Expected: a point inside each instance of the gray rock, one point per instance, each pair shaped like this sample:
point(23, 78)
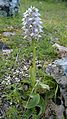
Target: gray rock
point(58, 70)
point(3, 46)
point(9, 7)
point(7, 34)
point(63, 63)
point(54, 111)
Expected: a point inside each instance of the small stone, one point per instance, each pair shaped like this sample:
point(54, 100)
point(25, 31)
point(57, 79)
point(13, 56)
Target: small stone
point(25, 68)
point(7, 34)
point(25, 87)
point(62, 50)
point(7, 51)
point(17, 71)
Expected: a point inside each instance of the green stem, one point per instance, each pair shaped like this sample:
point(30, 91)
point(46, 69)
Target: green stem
point(33, 66)
point(34, 61)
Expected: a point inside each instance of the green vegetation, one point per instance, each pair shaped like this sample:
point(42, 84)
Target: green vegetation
point(54, 17)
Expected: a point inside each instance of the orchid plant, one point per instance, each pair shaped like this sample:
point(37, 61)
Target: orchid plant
point(32, 29)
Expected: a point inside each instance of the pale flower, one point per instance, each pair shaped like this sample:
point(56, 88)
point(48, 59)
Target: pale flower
point(32, 24)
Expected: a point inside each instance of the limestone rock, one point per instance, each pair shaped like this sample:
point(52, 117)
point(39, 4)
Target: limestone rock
point(3, 46)
point(54, 111)
point(8, 33)
point(7, 51)
point(58, 70)
point(62, 50)
point(9, 7)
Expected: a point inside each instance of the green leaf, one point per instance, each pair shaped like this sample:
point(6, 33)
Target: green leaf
point(44, 86)
point(12, 113)
point(33, 101)
point(42, 104)
point(27, 114)
point(56, 91)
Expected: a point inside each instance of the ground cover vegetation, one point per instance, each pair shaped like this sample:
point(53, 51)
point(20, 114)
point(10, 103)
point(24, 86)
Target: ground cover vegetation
point(19, 98)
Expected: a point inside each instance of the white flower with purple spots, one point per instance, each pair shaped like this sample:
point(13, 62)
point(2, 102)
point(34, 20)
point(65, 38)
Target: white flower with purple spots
point(32, 24)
